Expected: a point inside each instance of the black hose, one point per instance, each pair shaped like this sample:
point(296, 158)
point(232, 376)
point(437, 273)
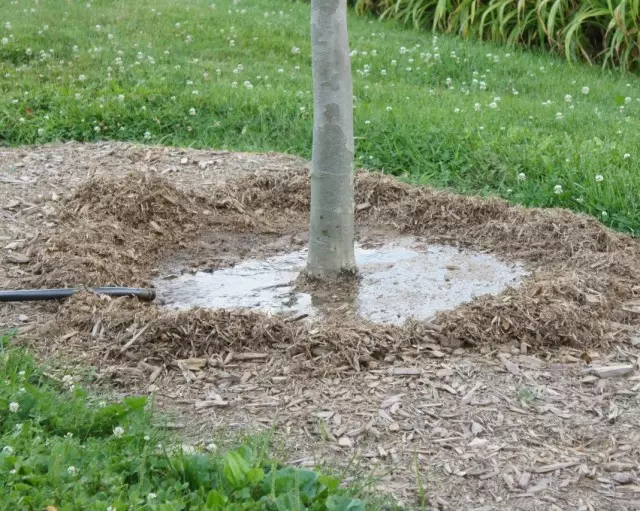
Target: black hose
point(30, 295)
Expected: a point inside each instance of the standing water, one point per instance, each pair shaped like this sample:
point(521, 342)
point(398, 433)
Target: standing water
point(399, 280)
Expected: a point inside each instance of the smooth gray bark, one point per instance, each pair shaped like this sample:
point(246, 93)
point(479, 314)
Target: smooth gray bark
point(331, 239)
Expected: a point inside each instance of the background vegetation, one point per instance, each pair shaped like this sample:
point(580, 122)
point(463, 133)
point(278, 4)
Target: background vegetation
point(604, 31)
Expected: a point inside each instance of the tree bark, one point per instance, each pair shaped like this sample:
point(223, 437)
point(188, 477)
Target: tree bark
point(331, 238)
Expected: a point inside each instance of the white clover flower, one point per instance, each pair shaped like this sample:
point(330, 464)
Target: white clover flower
point(151, 496)
point(585, 90)
point(7, 449)
point(389, 109)
point(234, 85)
point(120, 97)
point(456, 110)
point(118, 432)
point(522, 176)
point(559, 116)
point(367, 122)
point(605, 214)
point(147, 134)
point(626, 156)
point(248, 84)
point(110, 36)
point(40, 132)
point(12, 471)
point(147, 438)
point(295, 50)
point(493, 105)
point(403, 50)
point(14, 407)
point(477, 107)
point(5, 40)
point(568, 98)
point(212, 448)
point(627, 100)
point(557, 189)
point(394, 62)
point(599, 178)
point(82, 78)
point(96, 129)
point(192, 111)
point(72, 470)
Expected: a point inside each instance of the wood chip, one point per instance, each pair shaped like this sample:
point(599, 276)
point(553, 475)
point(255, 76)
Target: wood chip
point(610, 371)
point(406, 371)
point(156, 227)
point(192, 364)
point(624, 477)
point(478, 442)
point(510, 366)
point(553, 467)
point(618, 467)
point(154, 374)
point(210, 404)
point(470, 394)
point(391, 400)
point(444, 372)
point(250, 356)
point(345, 441)
point(17, 258)
point(476, 428)
point(632, 306)
point(523, 481)
point(135, 338)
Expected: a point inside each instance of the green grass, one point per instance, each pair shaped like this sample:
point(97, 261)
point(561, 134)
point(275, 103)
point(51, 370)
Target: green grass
point(134, 77)
point(63, 447)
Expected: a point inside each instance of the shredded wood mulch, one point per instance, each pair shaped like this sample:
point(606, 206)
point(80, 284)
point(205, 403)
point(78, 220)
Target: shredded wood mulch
point(523, 400)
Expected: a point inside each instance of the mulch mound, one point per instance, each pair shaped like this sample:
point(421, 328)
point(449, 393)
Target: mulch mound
point(113, 232)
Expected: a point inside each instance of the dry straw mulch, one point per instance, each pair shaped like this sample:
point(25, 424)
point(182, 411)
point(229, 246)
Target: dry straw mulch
point(112, 232)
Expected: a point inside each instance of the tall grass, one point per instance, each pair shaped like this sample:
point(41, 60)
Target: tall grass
point(602, 31)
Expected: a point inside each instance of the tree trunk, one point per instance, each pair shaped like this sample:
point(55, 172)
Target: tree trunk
point(331, 238)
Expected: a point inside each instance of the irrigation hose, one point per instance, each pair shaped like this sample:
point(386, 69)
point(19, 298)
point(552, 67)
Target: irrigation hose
point(31, 295)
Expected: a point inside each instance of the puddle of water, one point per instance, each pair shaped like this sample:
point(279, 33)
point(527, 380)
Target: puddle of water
point(399, 280)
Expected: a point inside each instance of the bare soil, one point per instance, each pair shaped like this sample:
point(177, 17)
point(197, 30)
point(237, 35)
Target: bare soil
point(490, 406)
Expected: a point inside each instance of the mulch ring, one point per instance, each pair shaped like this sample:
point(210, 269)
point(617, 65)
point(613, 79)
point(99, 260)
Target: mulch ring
point(580, 293)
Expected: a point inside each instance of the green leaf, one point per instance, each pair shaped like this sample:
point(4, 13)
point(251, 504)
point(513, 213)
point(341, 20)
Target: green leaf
point(330, 482)
point(235, 469)
point(342, 503)
point(215, 501)
point(21, 487)
point(255, 475)
point(288, 502)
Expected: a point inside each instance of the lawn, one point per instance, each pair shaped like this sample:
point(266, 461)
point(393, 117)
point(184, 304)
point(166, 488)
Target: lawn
point(476, 118)
point(63, 449)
